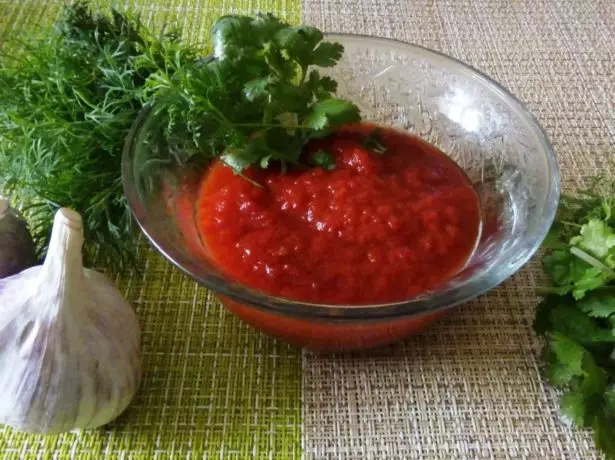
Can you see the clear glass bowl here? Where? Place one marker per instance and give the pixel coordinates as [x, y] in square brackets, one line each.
[465, 114]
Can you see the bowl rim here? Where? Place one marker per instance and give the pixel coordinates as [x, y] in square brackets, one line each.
[430, 302]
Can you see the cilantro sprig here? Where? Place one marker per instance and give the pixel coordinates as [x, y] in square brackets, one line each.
[258, 99]
[577, 315]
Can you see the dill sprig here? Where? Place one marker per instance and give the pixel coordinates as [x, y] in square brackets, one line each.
[67, 100]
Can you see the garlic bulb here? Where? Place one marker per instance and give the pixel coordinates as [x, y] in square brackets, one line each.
[69, 342]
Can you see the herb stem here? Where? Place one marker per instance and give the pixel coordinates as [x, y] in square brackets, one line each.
[570, 224]
[591, 260]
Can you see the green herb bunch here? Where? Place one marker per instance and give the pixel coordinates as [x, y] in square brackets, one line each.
[257, 99]
[67, 99]
[577, 316]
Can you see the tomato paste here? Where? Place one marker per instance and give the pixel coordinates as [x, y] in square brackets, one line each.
[382, 224]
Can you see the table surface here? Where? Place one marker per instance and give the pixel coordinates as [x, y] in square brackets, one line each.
[470, 386]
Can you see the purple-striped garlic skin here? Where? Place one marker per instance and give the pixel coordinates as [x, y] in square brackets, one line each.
[69, 342]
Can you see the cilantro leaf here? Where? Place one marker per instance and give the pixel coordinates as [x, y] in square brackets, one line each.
[556, 238]
[609, 398]
[330, 112]
[559, 373]
[578, 316]
[238, 159]
[573, 366]
[327, 85]
[323, 159]
[300, 38]
[566, 360]
[282, 67]
[256, 88]
[562, 267]
[237, 37]
[598, 304]
[232, 38]
[572, 273]
[559, 314]
[596, 237]
[604, 427]
[259, 100]
[322, 87]
[593, 278]
[327, 54]
[299, 43]
[574, 407]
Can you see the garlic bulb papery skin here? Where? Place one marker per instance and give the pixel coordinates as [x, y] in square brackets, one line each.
[69, 342]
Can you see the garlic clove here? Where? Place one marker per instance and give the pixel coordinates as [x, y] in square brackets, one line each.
[69, 342]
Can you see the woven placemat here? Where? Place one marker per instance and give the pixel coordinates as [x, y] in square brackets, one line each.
[212, 387]
[470, 386]
[467, 388]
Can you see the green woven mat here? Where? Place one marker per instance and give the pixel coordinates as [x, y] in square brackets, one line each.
[212, 387]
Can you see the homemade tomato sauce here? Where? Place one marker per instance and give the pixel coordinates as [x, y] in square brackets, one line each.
[379, 227]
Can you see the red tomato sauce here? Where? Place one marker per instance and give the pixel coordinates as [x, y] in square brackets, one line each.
[380, 227]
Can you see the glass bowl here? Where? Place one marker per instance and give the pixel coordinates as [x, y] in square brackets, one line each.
[468, 116]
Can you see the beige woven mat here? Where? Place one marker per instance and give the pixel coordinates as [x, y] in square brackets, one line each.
[470, 386]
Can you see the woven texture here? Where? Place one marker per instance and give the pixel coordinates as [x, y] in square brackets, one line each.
[467, 388]
[212, 387]
[470, 386]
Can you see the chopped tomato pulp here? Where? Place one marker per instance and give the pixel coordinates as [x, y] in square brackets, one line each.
[380, 227]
